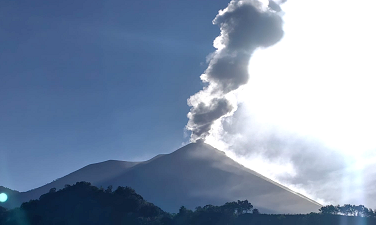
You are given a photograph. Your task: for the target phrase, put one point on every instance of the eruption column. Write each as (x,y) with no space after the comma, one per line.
(245,26)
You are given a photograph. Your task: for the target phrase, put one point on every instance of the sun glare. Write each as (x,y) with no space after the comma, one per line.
(319,80)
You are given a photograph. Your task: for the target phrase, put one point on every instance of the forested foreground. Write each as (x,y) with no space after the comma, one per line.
(86,204)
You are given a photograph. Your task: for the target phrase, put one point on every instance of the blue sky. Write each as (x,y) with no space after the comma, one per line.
(87,81)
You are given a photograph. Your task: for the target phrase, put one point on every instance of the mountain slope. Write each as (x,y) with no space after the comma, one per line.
(94,173)
(194,175)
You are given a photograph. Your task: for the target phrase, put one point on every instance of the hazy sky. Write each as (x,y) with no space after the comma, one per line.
(86,82)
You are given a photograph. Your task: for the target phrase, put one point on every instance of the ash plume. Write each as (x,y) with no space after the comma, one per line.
(245,26)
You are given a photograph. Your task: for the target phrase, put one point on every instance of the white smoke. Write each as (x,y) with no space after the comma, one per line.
(306,117)
(245,26)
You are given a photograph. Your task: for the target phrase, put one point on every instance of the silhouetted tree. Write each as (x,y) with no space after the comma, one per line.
(109,189)
(329,209)
(370,213)
(244,207)
(360,210)
(348,210)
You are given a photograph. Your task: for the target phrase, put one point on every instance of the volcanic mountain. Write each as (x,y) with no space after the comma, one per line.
(194,175)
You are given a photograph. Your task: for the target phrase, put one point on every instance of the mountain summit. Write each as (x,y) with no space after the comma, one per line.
(194,175)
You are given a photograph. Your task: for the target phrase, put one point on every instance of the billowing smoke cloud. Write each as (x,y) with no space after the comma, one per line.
(245,26)
(304,164)
(290,124)
(274,6)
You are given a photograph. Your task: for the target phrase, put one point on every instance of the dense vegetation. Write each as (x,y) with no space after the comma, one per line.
(86,204)
(348,210)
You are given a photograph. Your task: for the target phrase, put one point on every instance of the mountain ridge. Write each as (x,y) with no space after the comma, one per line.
(195,174)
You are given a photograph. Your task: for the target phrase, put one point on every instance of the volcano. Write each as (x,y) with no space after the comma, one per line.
(194,175)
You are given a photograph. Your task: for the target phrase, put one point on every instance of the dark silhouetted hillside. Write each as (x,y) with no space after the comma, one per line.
(83,203)
(196,174)
(86,204)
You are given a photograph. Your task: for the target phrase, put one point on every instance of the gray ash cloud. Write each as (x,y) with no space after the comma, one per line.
(245,26)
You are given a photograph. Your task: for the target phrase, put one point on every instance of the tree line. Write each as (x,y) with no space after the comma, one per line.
(83,203)
(348,210)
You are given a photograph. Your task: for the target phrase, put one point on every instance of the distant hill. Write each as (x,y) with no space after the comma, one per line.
(196,174)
